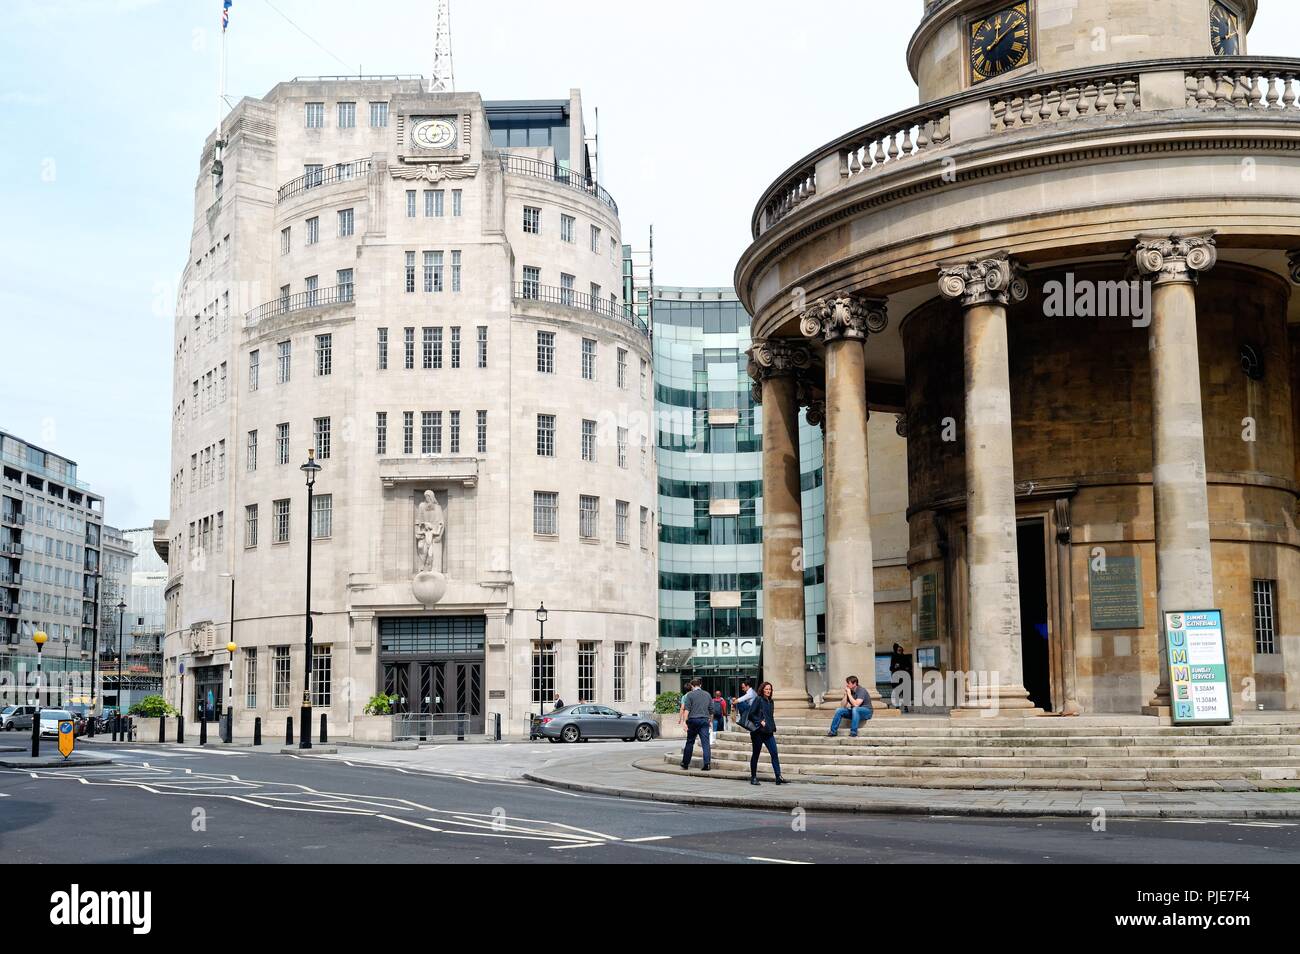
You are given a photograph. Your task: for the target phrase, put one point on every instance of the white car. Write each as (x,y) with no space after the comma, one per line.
(50,719)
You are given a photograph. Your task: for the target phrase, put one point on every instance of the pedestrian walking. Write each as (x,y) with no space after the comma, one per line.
(696,712)
(742,702)
(718,708)
(760,720)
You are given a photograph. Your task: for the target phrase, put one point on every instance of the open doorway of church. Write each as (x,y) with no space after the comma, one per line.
(1034,643)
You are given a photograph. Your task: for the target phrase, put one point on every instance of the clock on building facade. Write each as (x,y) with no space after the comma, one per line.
(433,133)
(1225,30)
(1000,42)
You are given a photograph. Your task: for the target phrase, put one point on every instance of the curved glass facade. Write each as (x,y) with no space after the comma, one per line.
(711,487)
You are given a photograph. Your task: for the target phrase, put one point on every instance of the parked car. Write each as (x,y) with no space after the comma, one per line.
(17,717)
(81,714)
(588,721)
(50,719)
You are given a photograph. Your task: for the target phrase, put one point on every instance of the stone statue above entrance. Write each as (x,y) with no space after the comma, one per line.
(429,583)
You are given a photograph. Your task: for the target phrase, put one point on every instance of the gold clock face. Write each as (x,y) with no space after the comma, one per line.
(1225,31)
(433,133)
(1000,43)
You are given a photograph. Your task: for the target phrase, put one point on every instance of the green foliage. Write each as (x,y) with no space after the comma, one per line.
(667,702)
(380,704)
(151,707)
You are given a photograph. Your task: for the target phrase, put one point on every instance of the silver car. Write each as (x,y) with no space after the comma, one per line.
(589,721)
(16,717)
(50,719)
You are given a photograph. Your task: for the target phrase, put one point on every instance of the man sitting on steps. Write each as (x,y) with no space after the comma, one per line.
(856,703)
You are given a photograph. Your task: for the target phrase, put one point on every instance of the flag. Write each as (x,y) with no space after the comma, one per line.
(225,14)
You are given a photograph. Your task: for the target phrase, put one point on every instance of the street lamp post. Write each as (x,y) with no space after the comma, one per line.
(39,639)
(121,613)
(311,469)
(541,649)
(230,694)
(94,657)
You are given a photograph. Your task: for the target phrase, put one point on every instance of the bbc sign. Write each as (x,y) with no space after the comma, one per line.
(729,648)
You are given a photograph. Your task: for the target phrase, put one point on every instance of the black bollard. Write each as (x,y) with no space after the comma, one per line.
(162,728)
(90,727)
(257,731)
(36,733)
(324,733)
(203,729)
(180,729)
(496,731)
(288,730)
(230,725)
(460,728)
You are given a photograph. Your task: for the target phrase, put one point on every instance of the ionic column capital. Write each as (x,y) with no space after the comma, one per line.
(1174,259)
(994,280)
(805,395)
(844,316)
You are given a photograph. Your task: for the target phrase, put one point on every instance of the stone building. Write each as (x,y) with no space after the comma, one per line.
(1071,267)
(423,290)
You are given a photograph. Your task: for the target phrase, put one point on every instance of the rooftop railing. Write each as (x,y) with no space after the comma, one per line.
(554,172)
(1215,87)
(571,298)
(325,175)
(316,298)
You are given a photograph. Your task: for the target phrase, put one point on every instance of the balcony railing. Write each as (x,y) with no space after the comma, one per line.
(12,516)
(570,298)
(554,172)
(316,298)
(1222,86)
(339,172)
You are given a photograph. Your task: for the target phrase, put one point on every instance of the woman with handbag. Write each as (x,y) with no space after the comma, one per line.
(760,720)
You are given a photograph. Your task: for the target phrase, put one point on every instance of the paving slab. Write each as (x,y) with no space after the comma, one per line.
(55,760)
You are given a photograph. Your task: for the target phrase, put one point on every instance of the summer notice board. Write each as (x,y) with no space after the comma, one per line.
(1198,667)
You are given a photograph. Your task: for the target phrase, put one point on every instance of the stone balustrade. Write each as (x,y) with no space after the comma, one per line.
(1056,102)
(1247,87)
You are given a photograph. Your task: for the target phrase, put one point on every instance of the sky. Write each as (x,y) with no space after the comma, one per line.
(105,104)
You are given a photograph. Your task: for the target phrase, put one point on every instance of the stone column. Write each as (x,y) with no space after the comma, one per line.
(984,287)
(843,323)
(1184,572)
(776,366)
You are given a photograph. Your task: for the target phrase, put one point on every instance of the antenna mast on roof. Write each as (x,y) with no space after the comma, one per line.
(443,79)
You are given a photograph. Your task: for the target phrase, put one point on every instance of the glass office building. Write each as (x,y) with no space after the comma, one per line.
(711,493)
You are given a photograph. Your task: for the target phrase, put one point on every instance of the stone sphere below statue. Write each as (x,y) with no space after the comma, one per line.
(429,586)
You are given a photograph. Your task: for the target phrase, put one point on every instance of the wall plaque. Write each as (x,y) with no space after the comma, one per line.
(1116,593)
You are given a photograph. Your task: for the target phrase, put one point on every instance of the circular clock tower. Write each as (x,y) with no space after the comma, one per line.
(962,44)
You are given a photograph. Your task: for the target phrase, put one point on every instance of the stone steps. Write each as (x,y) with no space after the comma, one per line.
(983,761)
(904,728)
(1017,747)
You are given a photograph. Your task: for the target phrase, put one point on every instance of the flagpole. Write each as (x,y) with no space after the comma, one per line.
(221,95)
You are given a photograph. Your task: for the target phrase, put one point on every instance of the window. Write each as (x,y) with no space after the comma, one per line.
(383,349)
(409,344)
(566,228)
(482,432)
(455,270)
(1265,628)
(595,239)
(313,230)
(613,252)
(482,346)
(250,526)
(314,174)
(284,355)
(431,432)
(532,282)
(644,376)
(546,352)
(408,432)
(410,203)
(410,271)
(545,435)
(254,357)
(284,297)
(434,203)
(546,505)
(346,222)
(250,678)
(589,441)
(322,433)
(221,530)
(620,671)
(282,443)
(378,115)
(285,241)
(324,355)
(594,304)
(315,115)
(645,528)
(381,432)
(280,515)
(280,691)
(587,669)
(433,271)
(620,521)
(543,676)
(347,115)
(589,359)
(252,451)
(456,204)
(321,675)
(322,516)
(588,517)
(566,289)
(454,424)
(426,349)
(455,346)
(532,220)
(622,448)
(343,277)
(622,367)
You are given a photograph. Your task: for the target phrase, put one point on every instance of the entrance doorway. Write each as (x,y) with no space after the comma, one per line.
(434,666)
(1035,654)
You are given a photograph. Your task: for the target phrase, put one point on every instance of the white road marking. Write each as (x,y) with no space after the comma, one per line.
(637,841)
(778,861)
(590,844)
